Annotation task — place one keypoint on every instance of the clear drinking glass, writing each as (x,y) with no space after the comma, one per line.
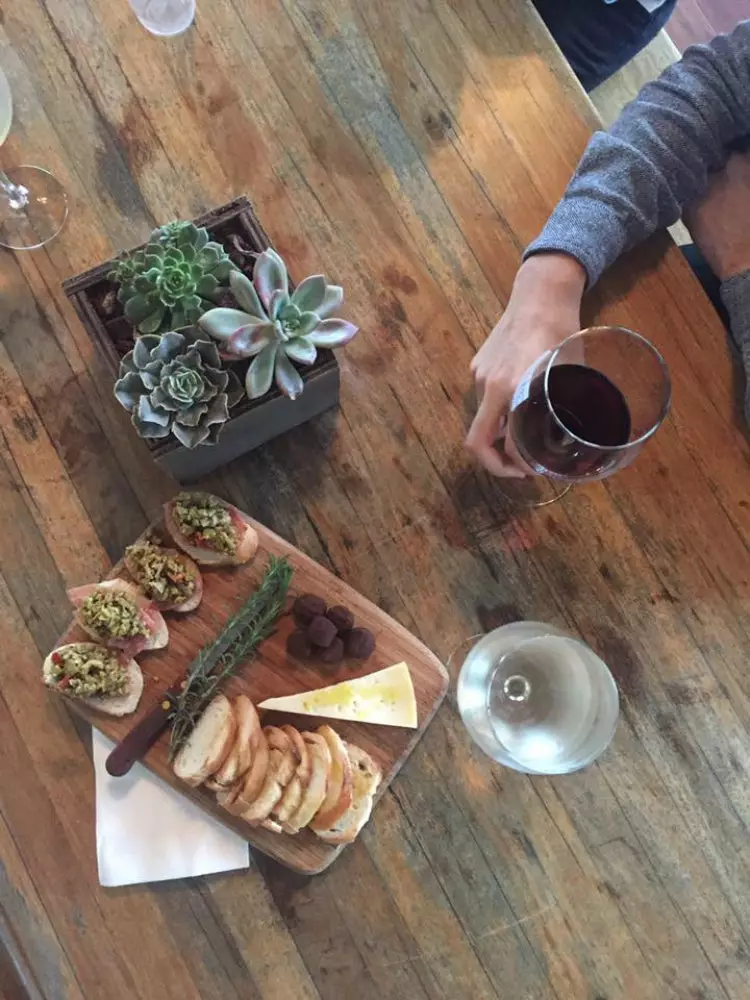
(586,409)
(537,700)
(33,203)
(164,17)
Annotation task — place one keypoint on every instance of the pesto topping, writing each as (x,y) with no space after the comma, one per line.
(161,576)
(83,671)
(112,615)
(205,522)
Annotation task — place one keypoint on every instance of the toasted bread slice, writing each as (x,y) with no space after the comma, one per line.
(292,797)
(119,704)
(277,739)
(366,776)
(290,801)
(229,772)
(339,793)
(134,567)
(303,755)
(209,744)
(271,791)
(157,632)
(247,538)
(315,792)
(254,779)
(248,731)
(226,797)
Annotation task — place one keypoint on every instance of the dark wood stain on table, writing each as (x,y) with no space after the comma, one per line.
(410,150)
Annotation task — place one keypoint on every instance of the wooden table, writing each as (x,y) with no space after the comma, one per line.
(411,149)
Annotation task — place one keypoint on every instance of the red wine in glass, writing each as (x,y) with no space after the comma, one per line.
(568,427)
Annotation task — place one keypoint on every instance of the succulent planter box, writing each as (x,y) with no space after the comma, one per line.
(252,421)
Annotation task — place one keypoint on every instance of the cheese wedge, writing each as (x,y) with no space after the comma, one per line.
(385,698)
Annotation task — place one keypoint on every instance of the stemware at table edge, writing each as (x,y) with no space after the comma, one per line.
(33,203)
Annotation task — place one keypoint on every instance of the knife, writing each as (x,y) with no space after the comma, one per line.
(136,744)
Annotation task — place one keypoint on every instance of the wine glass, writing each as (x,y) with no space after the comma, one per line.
(537,700)
(587,408)
(33,203)
(164,17)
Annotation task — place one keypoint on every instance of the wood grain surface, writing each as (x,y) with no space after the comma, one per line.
(272,674)
(410,149)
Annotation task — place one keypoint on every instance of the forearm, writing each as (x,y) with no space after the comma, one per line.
(637,177)
(735,294)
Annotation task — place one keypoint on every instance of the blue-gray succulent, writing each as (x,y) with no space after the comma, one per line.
(174,383)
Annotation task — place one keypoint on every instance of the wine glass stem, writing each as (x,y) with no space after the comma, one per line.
(17,195)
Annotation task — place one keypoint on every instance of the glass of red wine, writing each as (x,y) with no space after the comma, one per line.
(585,410)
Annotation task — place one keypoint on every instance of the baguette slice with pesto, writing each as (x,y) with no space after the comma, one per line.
(211,531)
(103,678)
(116,614)
(167,577)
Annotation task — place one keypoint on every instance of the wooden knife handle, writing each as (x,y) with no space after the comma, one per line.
(140,739)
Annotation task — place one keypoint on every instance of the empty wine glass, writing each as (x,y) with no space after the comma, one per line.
(164,17)
(586,409)
(537,700)
(33,203)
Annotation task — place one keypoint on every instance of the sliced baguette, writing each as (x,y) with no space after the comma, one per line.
(254,779)
(292,797)
(366,779)
(315,792)
(303,755)
(229,772)
(248,731)
(247,538)
(120,704)
(271,791)
(286,765)
(209,744)
(339,792)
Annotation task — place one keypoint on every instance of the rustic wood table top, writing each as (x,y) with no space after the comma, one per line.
(410,149)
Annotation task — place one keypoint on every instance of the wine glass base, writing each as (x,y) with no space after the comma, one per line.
(43,215)
(534,491)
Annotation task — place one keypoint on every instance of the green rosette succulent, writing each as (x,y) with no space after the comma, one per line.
(174,383)
(173,280)
(275,328)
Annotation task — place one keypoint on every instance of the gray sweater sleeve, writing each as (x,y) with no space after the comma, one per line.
(637,177)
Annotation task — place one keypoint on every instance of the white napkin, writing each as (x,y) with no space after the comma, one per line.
(147,832)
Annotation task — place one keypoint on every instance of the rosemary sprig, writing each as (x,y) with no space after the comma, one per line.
(235,644)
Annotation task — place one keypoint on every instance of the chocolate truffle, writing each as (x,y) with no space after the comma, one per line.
(341,617)
(307,607)
(297,644)
(359,643)
(321,632)
(334,653)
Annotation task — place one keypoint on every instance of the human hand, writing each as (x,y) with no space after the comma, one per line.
(718,221)
(544,309)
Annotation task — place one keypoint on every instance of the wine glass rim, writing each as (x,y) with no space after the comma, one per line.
(667,384)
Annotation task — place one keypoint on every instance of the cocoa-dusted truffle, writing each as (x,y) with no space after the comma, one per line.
(321,632)
(334,653)
(307,607)
(341,617)
(297,644)
(359,643)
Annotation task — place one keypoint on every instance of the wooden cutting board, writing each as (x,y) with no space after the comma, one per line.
(275,673)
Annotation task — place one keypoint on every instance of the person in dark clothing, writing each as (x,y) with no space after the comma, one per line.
(598,37)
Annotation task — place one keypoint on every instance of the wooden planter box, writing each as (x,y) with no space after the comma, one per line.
(252,422)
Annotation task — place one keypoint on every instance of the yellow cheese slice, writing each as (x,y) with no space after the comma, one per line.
(385,698)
